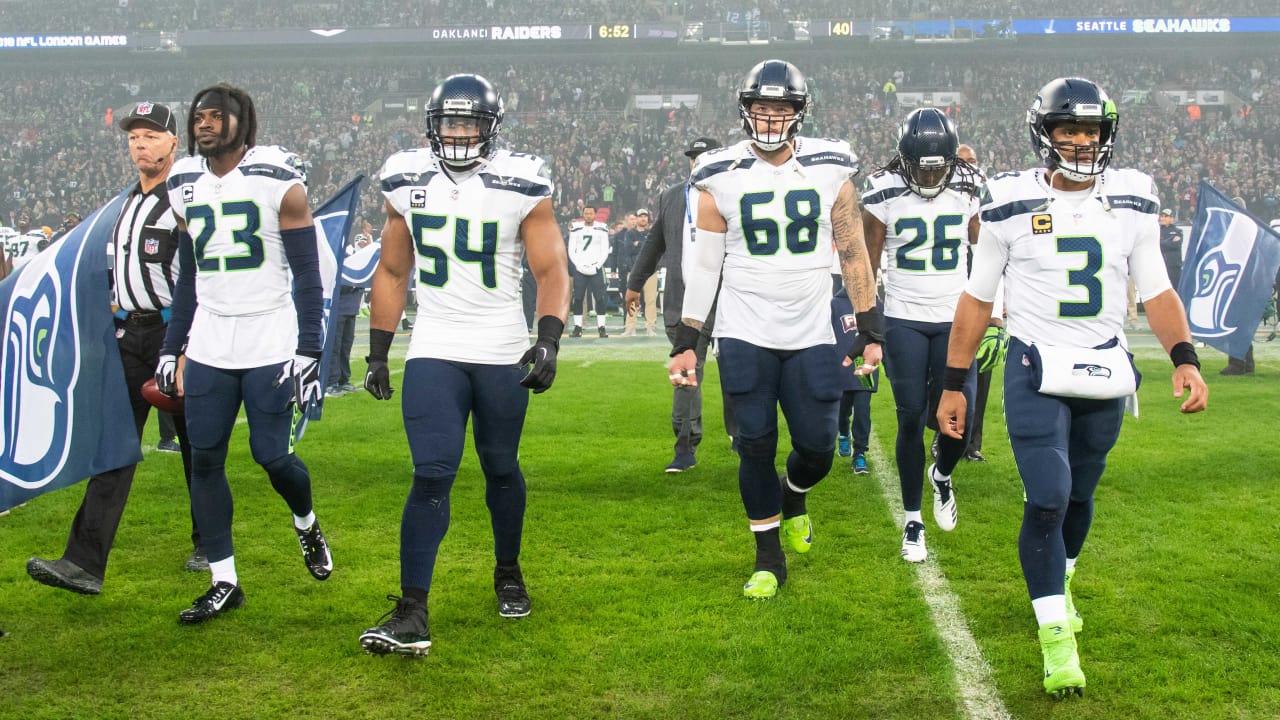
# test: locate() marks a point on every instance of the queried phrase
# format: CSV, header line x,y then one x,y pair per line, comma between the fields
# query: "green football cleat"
x,y
1073,615
1062,674
762,585
797,532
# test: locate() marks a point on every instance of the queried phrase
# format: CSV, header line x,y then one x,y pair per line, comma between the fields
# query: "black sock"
x,y
769,554
793,503
414,594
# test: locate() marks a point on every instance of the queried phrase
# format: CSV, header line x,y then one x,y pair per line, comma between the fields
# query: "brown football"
x,y
160,401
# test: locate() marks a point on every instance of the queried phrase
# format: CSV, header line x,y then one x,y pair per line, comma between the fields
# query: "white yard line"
x,y
978,695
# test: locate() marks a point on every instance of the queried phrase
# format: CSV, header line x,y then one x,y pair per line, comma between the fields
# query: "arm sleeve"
x,y
308,290
990,255
183,308
702,264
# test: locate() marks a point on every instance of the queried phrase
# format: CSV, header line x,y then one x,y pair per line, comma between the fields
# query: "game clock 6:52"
x,y
610,31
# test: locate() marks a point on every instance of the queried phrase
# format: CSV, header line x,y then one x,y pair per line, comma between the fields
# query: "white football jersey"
x,y
776,287
22,247
245,315
588,247
467,249
926,260
1066,258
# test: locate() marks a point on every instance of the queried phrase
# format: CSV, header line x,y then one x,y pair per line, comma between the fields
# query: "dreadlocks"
x,y
231,101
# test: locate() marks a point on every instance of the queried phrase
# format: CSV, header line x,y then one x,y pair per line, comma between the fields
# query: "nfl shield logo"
x,y
849,323
151,246
144,108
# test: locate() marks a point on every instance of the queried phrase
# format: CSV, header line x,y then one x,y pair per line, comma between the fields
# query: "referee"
x,y
144,270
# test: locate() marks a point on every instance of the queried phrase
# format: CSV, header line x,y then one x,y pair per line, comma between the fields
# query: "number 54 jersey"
x,y
245,317
776,286
467,251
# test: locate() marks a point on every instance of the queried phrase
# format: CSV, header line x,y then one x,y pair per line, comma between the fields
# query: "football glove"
x,y
305,370
992,349
542,355
167,375
377,379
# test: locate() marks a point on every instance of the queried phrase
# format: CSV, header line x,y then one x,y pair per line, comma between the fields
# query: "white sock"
x,y
795,489
224,571
766,527
577,321
1050,609
601,320
303,523
914,516
1071,564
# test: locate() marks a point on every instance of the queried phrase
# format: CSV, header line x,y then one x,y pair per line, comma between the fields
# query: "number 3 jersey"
x,y
776,287
1066,257
467,250
245,315
926,264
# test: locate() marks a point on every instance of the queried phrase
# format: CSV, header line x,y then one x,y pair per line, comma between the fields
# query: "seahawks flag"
x,y
64,408
1230,268
333,222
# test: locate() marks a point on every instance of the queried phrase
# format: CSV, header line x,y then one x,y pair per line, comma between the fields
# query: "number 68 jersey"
x,y
1066,257
776,287
245,315
467,251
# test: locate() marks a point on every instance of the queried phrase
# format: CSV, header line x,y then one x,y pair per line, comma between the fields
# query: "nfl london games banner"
x,y
333,222
64,408
1228,273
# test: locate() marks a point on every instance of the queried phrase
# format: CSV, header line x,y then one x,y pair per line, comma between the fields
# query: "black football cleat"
x,y
315,551
513,598
63,573
407,632
220,598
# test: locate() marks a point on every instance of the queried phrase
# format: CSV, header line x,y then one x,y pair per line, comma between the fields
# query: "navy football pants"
x,y
438,397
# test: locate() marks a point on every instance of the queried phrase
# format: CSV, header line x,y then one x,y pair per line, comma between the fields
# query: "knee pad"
x,y
1048,517
761,448
280,465
816,462
430,490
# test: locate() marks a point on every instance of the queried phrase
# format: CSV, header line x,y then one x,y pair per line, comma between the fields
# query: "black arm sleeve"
x,y
308,290
185,302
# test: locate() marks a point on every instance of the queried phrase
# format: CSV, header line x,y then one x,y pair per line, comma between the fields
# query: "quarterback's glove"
x,y
167,375
543,355
869,331
307,389
992,349
377,379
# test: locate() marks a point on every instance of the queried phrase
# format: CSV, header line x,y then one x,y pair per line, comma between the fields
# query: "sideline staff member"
x,y
144,248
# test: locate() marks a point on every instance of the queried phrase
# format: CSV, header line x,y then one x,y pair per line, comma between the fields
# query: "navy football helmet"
x,y
1073,100
773,80
927,145
469,100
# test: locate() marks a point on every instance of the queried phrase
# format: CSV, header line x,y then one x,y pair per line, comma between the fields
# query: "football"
x,y
160,401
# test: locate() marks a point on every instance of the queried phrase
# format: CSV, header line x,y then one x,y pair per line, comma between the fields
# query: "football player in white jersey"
x,y
588,251
247,316
461,215
1066,237
24,244
921,210
769,210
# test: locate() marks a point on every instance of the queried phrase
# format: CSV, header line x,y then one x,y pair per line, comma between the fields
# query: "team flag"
x,y
357,269
333,222
64,408
1230,268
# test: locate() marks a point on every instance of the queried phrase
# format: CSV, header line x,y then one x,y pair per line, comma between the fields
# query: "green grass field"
x,y
636,575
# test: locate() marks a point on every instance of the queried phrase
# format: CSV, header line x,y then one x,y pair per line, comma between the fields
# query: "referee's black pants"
x,y
94,528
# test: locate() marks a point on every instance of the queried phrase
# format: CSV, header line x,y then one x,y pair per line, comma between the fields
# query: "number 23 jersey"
x,y
245,315
467,251
776,287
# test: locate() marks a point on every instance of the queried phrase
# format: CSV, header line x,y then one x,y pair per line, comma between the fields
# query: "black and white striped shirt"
x,y
145,246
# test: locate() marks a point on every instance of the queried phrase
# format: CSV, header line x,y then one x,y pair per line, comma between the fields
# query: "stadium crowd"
x,y
91,16
60,152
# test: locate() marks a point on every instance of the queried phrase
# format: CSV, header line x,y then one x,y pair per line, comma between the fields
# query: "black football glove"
x,y
377,380
542,355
